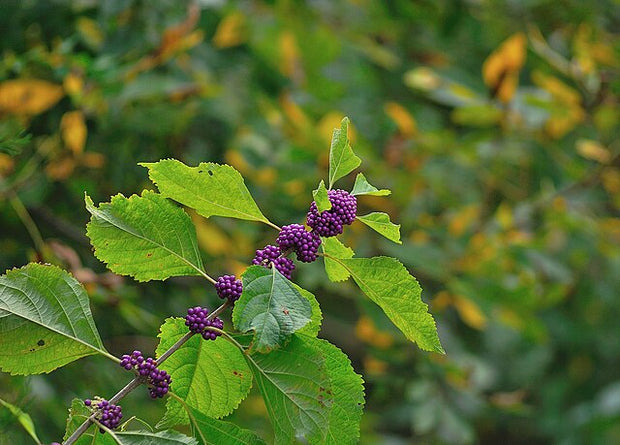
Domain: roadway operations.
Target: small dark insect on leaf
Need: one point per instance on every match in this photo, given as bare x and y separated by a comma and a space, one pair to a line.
285, 311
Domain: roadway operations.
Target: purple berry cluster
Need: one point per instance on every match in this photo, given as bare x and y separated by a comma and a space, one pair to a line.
228, 287
272, 254
158, 379
331, 222
197, 321
108, 414
296, 237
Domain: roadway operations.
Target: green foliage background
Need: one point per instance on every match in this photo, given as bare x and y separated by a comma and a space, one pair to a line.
503, 160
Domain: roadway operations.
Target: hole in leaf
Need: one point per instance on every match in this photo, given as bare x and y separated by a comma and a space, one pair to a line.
210, 173
41, 342
150, 254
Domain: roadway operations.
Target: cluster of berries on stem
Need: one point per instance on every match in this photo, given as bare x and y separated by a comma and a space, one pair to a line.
197, 320
228, 287
158, 380
106, 413
331, 222
271, 254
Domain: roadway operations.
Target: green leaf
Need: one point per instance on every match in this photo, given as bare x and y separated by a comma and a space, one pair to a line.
168, 437
295, 386
211, 431
363, 187
78, 413
342, 160
321, 198
332, 247
388, 283
45, 320
210, 376
146, 237
271, 306
24, 419
348, 396
314, 326
211, 189
380, 222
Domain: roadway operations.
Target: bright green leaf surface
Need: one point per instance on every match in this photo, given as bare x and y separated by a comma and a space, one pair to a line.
363, 187
380, 222
386, 282
314, 326
271, 306
167, 437
211, 431
211, 189
348, 395
334, 248
342, 160
24, 419
45, 320
321, 198
295, 386
210, 376
146, 237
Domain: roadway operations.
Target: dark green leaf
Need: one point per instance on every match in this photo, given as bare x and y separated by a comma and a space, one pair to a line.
24, 419
211, 431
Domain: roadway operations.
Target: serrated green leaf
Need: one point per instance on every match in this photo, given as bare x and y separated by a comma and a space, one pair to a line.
146, 237
332, 247
342, 160
388, 283
321, 198
271, 306
78, 413
363, 187
314, 326
211, 431
168, 437
380, 222
348, 396
45, 320
210, 376
295, 386
211, 189
24, 419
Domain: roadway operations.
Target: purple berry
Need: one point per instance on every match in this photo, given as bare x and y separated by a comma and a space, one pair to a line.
197, 321
108, 414
227, 286
331, 222
158, 380
297, 238
272, 254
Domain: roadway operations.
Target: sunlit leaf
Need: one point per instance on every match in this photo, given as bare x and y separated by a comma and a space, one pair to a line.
334, 248
363, 187
380, 222
321, 198
45, 320
342, 160
146, 237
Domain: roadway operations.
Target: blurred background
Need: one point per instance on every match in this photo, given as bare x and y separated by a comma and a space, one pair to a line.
495, 124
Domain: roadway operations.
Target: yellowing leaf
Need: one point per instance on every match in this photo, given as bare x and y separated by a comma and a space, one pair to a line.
231, 31
90, 31
60, 169
7, 164
422, 79
403, 119
28, 96
92, 160
289, 54
558, 89
593, 150
73, 130
469, 312
73, 84
500, 70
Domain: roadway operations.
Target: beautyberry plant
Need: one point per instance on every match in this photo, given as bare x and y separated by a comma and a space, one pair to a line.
203, 370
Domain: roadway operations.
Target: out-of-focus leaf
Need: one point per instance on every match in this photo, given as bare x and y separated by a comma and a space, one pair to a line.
28, 96
24, 419
73, 130
403, 119
501, 69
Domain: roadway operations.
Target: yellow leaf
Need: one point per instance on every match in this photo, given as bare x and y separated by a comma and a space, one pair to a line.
422, 79
503, 215
558, 89
469, 312
231, 31
60, 169
7, 164
28, 96
500, 70
403, 119
289, 55
89, 29
73, 84
92, 160
611, 180
590, 149
73, 130
366, 331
